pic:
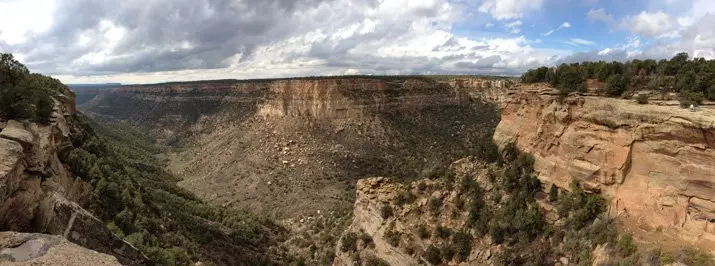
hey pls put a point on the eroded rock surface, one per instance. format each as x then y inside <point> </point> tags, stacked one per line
<point>656,163</point>
<point>39,249</point>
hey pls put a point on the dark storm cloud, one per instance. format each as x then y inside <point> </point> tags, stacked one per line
<point>214,30</point>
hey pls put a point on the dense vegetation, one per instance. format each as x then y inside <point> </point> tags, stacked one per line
<point>693,79</point>
<point>25,95</point>
<point>142,203</point>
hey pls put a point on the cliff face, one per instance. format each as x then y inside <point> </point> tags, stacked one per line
<point>38,193</point>
<point>353,98</point>
<point>654,162</point>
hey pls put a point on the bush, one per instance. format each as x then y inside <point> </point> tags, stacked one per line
<point>625,246</point>
<point>616,85</point>
<point>349,243</point>
<point>711,93</point>
<point>553,193</point>
<point>405,196</point>
<point>432,255</point>
<point>393,238</point>
<point>372,260</point>
<point>442,232</point>
<point>463,242</point>
<point>386,211</point>
<point>422,231</point>
<point>642,98</point>
<point>688,98</point>
<point>435,206</point>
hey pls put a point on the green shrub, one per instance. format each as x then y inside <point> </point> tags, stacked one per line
<point>393,238</point>
<point>386,211</point>
<point>711,92</point>
<point>688,98</point>
<point>349,243</point>
<point>625,246</point>
<point>642,98</point>
<point>366,239</point>
<point>404,196</point>
<point>694,257</point>
<point>442,232</point>
<point>435,206</point>
<point>553,193</point>
<point>422,231</point>
<point>463,242</point>
<point>446,252</point>
<point>422,186</point>
<point>616,85</point>
<point>373,260</point>
<point>432,255</point>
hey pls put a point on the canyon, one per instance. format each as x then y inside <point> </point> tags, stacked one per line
<point>305,153</point>
<point>293,147</point>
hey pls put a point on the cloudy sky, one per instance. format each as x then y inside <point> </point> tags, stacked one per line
<point>138,41</point>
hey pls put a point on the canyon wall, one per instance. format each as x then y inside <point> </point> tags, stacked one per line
<point>354,98</point>
<point>39,194</point>
<point>656,164</point>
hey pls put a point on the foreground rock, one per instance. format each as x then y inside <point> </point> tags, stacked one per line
<point>39,249</point>
<point>657,163</point>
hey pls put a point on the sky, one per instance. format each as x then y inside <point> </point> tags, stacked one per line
<point>148,41</point>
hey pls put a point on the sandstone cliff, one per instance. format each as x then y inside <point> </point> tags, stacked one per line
<point>38,193</point>
<point>655,163</point>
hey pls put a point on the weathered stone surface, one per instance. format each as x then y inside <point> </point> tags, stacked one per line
<point>39,249</point>
<point>371,193</point>
<point>650,160</point>
<point>16,131</point>
<point>352,98</point>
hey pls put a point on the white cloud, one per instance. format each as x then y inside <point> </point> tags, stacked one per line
<point>115,43</point>
<point>20,18</point>
<point>579,41</point>
<point>513,27</point>
<point>599,15</point>
<point>564,25</point>
<point>650,23</point>
<point>509,9</point>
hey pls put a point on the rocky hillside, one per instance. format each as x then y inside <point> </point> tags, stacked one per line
<point>102,188</point>
<point>654,163</point>
<point>291,147</point>
<point>39,194</point>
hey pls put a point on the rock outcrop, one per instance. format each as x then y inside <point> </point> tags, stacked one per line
<point>38,193</point>
<point>39,249</point>
<point>655,163</point>
<point>354,98</point>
